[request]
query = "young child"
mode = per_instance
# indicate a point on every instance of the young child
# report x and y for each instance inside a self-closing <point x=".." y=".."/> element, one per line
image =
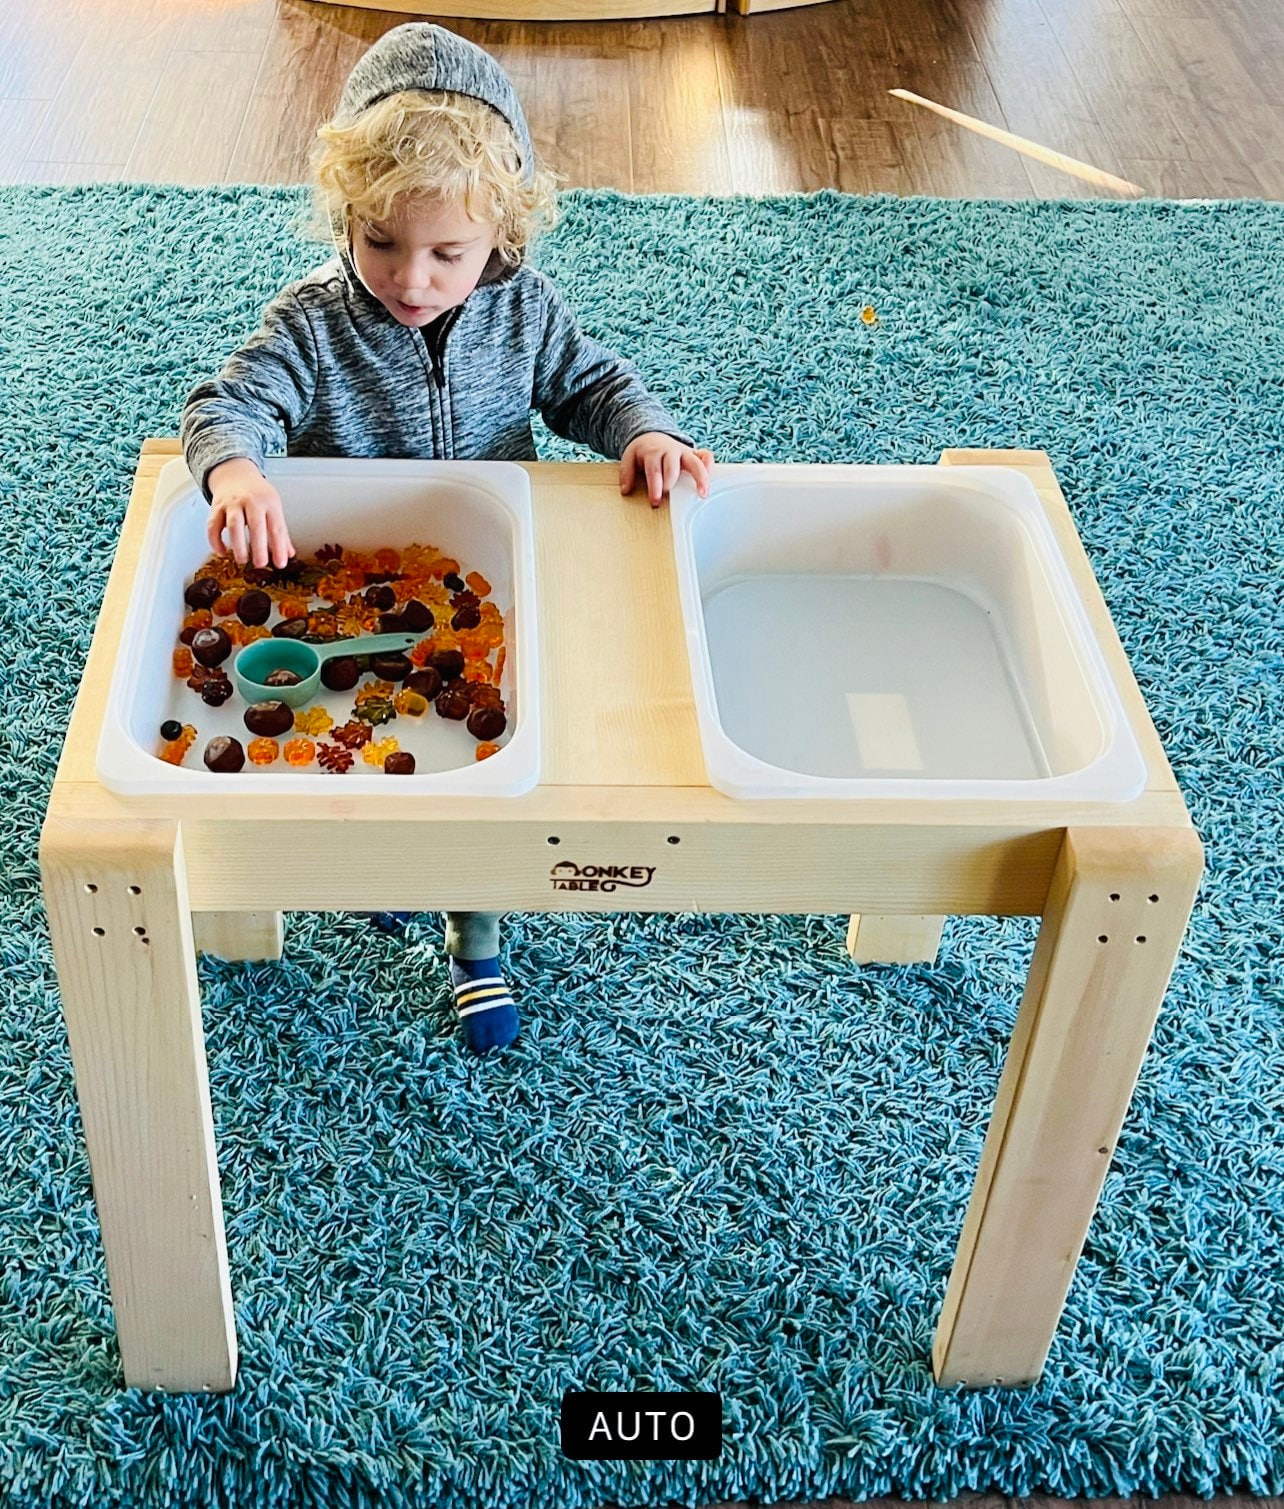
<point x="427" y="336"/>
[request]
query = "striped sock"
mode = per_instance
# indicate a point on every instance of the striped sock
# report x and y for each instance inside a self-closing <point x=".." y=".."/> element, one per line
<point x="487" y="1013"/>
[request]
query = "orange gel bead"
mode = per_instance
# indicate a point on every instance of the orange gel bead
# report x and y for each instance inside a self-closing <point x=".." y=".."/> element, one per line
<point x="198" y="618"/>
<point x="225" y="604"/>
<point x="262" y="751"/>
<point x="412" y="703"/>
<point x="478" y="583"/>
<point x="484" y="750"/>
<point x="300" y="751"/>
<point x="183" y="662"/>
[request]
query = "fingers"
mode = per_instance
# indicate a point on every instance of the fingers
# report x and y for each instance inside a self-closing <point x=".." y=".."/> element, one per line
<point x="214" y="531"/>
<point x="692" y="462"/>
<point x="279" y="538"/>
<point x="655" y="479"/>
<point x="236" y="533"/>
<point x="256" y="530"/>
<point x="626" y="475"/>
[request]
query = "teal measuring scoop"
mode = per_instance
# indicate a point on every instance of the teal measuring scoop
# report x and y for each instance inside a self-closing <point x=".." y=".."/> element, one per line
<point x="256" y="662"/>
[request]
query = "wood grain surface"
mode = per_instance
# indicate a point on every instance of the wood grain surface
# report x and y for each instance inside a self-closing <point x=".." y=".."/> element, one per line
<point x="1184" y="98"/>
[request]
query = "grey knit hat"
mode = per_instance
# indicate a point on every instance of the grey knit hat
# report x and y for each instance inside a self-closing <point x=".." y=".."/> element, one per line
<point x="419" y="55"/>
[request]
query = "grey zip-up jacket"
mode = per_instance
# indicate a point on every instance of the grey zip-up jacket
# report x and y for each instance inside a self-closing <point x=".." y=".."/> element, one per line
<point x="330" y="372"/>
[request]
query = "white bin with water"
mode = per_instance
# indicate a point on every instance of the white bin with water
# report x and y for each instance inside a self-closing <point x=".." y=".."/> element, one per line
<point x="892" y="631"/>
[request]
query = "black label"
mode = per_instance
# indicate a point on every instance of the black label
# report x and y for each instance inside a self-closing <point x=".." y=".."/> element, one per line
<point x="638" y="1427"/>
<point x="568" y="876"/>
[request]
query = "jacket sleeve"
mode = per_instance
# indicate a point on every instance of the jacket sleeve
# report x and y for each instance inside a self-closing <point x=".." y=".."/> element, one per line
<point x="587" y="393"/>
<point x="258" y="399"/>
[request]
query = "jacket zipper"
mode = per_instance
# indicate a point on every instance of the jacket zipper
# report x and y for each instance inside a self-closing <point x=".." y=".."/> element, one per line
<point x="437" y="348"/>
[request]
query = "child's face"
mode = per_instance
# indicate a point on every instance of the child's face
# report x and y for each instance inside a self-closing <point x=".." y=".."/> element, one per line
<point x="424" y="260"/>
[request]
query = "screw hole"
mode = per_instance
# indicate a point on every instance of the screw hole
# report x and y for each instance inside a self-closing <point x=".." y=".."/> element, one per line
<point x="1103" y="1149"/>
<point x="555" y="840"/>
<point x="1152" y="898"/>
<point x="100" y="932"/>
<point x="1142" y="939"/>
<point x="998" y="1380"/>
<point x="140" y="931"/>
<point x="146" y="941"/>
<point x="674" y="840"/>
<point x="1114" y="895"/>
<point x="1103" y="939"/>
<point x="90" y="887"/>
<point x="135" y="890"/>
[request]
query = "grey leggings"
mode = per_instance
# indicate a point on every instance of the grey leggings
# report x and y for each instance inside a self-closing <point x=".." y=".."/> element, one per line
<point x="472" y="935"/>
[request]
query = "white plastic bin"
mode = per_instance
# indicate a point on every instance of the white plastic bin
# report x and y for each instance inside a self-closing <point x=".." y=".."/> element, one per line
<point x="892" y="631"/>
<point x="477" y="511"/>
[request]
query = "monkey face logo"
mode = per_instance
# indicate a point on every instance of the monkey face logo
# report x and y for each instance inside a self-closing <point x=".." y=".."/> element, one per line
<point x="568" y="876"/>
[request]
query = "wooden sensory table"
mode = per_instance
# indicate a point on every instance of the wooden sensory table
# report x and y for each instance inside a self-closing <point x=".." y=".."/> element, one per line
<point x="134" y="887"/>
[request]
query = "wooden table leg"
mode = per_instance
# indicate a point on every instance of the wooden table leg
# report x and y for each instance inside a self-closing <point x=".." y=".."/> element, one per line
<point x="1112" y="927"/>
<point x="120" y="923"/>
<point x="239" y="935"/>
<point x="894" y="940"/>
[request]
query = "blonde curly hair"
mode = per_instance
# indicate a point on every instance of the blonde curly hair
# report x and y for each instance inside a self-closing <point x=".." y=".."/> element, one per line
<point x="441" y="148"/>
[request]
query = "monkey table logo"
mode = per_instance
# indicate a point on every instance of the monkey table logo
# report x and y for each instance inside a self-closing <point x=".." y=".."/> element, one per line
<point x="568" y="876"/>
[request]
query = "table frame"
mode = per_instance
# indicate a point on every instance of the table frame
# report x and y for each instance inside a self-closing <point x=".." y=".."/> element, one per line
<point x="135" y="886"/>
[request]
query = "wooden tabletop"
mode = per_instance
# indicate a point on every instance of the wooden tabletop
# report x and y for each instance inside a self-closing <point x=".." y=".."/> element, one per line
<point x="620" y="738"/>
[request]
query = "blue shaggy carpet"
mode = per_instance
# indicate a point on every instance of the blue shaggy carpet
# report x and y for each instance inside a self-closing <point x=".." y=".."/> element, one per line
<point x="721" y="1156"/>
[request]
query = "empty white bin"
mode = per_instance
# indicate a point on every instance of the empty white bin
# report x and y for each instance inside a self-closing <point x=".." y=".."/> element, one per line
<point x="892" y="631"/>
<point x="477" y="511"/>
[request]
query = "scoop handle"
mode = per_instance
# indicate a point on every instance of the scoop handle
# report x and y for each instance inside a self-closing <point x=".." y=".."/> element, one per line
<point x="367" y="644"/>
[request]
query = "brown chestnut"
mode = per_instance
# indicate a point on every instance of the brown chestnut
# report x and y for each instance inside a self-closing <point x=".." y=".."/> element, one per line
<point x="400" y="762"/>
<point x="340" y="674"/>
<point x="268" y="719"/>
<point x="454" y="701"/>
<point x="393" y="667"/>
<point x="418" y="616"/>
<point x="426" y="682"/>
<point x="211" y="646"/>
<point x="486" y="722"/>
<point x="223" y="753"/>
<point x="202" y="592"/>
<point x="254" y="606"/>
<point x="449" y="662"/>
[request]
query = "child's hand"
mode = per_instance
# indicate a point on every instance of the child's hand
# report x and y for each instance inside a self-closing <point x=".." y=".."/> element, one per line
<point x="662" y="460"/>
<point x="244" y="500"/>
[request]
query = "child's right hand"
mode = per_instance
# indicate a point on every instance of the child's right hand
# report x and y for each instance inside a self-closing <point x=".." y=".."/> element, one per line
<point x="245" y="502"/>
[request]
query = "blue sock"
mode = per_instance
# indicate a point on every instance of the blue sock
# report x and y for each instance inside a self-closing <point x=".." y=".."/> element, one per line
<point x="487" y="1014"/>
<point x="388" y="922"/>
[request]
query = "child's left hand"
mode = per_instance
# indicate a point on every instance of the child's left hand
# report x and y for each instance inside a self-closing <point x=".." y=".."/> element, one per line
<point x="662" y="460"/>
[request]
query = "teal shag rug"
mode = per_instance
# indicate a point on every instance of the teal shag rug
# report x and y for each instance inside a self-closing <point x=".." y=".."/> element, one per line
<point x="721" y="1156"/>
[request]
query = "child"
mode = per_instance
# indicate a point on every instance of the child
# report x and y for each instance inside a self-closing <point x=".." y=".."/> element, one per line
<point x="426" y="336"/>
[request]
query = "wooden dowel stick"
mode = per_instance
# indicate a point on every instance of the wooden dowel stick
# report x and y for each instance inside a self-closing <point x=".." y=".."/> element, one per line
<point x="1028" y="148"/>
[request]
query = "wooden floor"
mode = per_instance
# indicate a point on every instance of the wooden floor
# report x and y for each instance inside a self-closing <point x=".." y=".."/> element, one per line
<point x="1184" y="98"/>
